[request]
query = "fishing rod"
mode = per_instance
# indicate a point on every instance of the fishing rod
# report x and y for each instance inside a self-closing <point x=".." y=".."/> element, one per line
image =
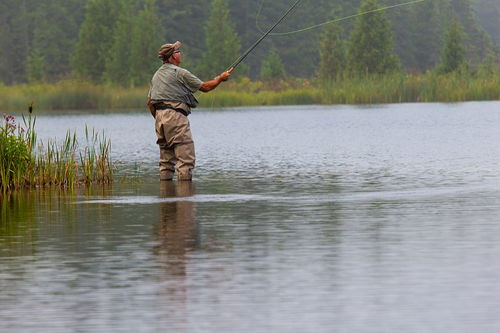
<point x="247" y="52"/>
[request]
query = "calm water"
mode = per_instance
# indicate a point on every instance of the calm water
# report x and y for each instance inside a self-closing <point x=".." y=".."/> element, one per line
<point x="300" y="219"/>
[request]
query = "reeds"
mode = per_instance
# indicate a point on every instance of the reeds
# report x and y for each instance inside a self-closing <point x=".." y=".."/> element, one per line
<point x="95" y="159"/>
<point x="407" y="88"/>
<point x="23" y="163"/>
<point x="56" y="164"/>
<point x="393" y="88"/>
<point x="71" y="95"/>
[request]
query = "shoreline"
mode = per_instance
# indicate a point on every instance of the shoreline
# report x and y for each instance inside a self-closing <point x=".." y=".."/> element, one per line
<point x="77" y="95"/>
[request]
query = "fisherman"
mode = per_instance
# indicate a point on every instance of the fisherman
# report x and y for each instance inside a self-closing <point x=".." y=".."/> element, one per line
<point x="170" y="100"/>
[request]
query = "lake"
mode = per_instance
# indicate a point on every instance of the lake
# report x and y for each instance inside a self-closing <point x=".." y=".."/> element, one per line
<point x="382" y="218"/>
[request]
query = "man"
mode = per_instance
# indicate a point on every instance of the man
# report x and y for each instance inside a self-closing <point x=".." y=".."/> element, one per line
<point x="170" y="100"/>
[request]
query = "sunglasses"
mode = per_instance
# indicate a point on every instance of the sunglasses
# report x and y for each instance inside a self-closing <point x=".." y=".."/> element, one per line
<point x="178" y="51"/>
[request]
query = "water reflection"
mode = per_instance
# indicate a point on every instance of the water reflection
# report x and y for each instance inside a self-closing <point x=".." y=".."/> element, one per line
<point x="177" y="229"/>
<point x="17" y="224"/>
<point x="177" y="233"/>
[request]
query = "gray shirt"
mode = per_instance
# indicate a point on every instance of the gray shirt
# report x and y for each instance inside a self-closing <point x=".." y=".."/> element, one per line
<point x="174" y="85"/>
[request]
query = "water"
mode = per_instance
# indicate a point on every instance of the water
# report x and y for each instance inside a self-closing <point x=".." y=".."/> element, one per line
<point x="300" y="219"/>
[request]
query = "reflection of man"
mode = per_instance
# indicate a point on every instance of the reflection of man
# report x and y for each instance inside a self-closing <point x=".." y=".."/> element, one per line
<point x="177" y="234"/>
<point x="177" y="229"/>
<point x="170" y="100"/>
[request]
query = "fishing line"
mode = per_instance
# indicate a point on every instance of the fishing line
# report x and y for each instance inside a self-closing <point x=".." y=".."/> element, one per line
<point x="335" y="20"/>
<point x="244" y="55"/>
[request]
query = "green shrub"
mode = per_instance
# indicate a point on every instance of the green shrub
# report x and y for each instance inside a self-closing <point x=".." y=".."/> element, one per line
<point x="15" y="153"/>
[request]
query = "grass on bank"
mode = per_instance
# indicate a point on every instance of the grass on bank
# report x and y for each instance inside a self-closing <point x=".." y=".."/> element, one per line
<point x="406" y="88"/>
<point x="397" y="88"/>
<point x="24" y="163"/>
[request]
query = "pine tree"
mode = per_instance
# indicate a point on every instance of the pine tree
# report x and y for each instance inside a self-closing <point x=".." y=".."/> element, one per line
<point x="146" y="39"/>
<point x="427" y="35"/>
<point x="222" y="43"/>
<point x="55" y="42"/>
<point x="15" y="22"/>
<point x="35" y="67"/>
<point x="488" y="13"/>
<point x="48" y="26"/>
<point x="118" y="60"/>
<point x="4" y="42"/>
<point x="477" y="43"/>
<point x="403" y="22"/>
<point x="332" y="54"/>
<point x="177" y="20"/>
<point x="272" y="67"/>
<point x="293" y="48"/>
<point x="370" y="48"/>
<point x="95" y="39"/>
<point x="453" y="53"/>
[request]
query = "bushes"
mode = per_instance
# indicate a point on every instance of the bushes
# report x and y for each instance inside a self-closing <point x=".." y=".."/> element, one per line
<point x="15" y="153"/>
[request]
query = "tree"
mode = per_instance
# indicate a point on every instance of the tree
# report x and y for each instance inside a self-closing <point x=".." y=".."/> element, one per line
<point x="179" y="25"/>
<point x="95" y="39"/>
<point x="222" y="43"/>
<point x="427" y="35"/>
<point x="292" y="47"/>
<point x="488" y="13"/>
<point x="370" y="48"/>
<point x="117" y="63"/>
<point x="272" y="67"/>
<point x="145" y="42"/>
<point x="15" y="25"/>
<point x="48" y="26"/>
<point x="55" y="42"/>
<point x="453" y="54"/>
<point x="477" y="43"/>
<point x="35" y="65"/>
<point x="331" y="54"/>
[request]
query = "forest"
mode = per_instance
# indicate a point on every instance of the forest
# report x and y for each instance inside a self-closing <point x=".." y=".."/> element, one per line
<point x="114" y="43"/>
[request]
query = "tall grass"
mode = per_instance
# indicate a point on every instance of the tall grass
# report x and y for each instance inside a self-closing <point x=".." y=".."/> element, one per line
<point x="397" y="88"/>
<point x="70" y="95"/>
<point x="428" y="87"/>
<point x="23" y="163"/>
<point x="95" y="159"/>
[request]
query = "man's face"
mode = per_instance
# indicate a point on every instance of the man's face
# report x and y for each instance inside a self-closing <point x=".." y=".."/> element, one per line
<point x="177" y="55"/>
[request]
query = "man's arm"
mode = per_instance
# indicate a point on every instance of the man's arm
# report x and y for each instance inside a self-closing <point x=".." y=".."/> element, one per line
<point x="212" y="84"/>
<point x="148" y="101"/>
<point x="150" y="106"/>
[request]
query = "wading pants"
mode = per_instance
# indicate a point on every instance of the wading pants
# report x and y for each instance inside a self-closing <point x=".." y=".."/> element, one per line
<point x="176" y="145"/>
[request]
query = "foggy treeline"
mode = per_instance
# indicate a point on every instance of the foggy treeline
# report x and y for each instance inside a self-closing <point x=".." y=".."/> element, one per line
<point x="116" y="41"/>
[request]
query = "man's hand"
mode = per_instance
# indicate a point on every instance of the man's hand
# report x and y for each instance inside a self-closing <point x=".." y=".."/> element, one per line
<point x="211" y="85"/>
<point x="224" y="76"/>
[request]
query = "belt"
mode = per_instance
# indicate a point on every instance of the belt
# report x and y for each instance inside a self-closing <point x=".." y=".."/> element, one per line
<point x="168" y="107"/>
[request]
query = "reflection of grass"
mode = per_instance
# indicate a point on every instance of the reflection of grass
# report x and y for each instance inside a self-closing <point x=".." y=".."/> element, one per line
<point x="429" y="87"/>
<point x="134" y="175"/>
<point x="18" y="232"/>
<point x="24" y="164"/>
